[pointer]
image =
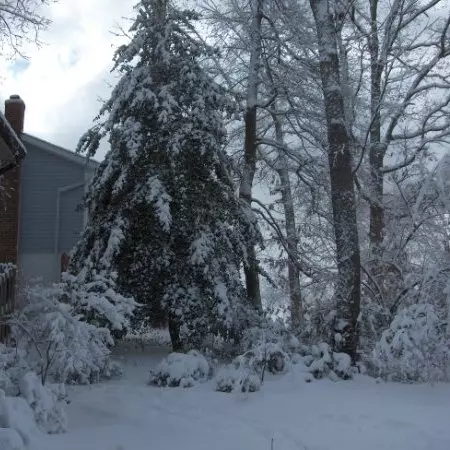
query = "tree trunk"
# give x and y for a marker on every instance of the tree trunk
(376, 151)
(160, 7)
(174, 331)
(292, 247)
(250, 148)
(160, 11)
(347, 290)
(291, 230)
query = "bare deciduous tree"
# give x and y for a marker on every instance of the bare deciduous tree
(21, 21)
(250, 144)
(407, 46)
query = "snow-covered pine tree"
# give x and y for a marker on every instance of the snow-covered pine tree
(163, 211)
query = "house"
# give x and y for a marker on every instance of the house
(42, 217)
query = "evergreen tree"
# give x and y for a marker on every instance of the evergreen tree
(163, 212)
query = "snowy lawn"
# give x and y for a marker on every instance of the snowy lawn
(127, 414)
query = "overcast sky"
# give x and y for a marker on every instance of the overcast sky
(62, 81)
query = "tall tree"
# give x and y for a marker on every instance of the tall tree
(250, 141)
(347, 289)
(406, 56)
(162, 208)
(291, 228)
(398, 33)
(248, 32)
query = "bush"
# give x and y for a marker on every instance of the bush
(10, 439)
(179, 369)
(247, 371)
(273, 348)
(53, 344)
(32, 407)
(268, 356)
(13, 366)
(60, 347)
(414, 348)
(17, 415)
(49, 414)
(342, 365)
(45, 401)
(269, 331)
(231, 379)
(322, 362)
(95, 298)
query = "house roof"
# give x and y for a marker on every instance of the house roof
(59, 151)
(12, 149)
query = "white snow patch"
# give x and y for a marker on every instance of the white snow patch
(359, 414)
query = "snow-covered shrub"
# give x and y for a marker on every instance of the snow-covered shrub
(179, 369)
(146, 336)
(267, 330)
(342, 365)
(270, 329)
(10, 439)
(273, 347)
(48, 409)
(25, 404)
(319, 316)
(59, 346)
(414, 348)
(17, 381)
(268, 356)
(13, 366)
(232, 378)
(322, 362)
(96, 299)
(17, 415)
(246, 372)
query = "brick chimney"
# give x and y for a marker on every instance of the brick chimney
(10, 204)
(15, 113)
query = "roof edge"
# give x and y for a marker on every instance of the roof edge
(59, 151)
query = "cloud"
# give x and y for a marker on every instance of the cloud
(63, 80)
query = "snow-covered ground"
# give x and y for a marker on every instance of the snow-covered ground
(127, 414)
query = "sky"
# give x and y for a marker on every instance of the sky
(63, 80)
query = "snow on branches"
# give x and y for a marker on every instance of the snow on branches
(163, 191)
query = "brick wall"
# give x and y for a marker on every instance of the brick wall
(9, 216)
(10, 194)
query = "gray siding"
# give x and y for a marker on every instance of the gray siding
(42, 175)
(70, 218)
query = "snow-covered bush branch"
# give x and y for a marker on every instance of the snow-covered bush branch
(415, 347)
(96, 300)
(60, 347)
(178, 369)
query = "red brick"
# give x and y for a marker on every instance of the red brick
(10, 204)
